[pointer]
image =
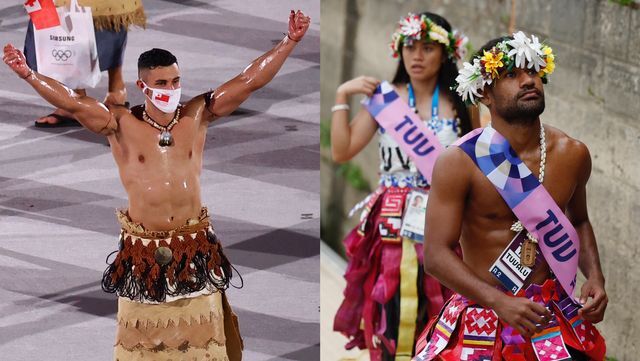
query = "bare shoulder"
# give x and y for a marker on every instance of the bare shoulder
(116, 114)
(573, 154)
(129, 114)
(452, 175)
(200, 106)
(196, 102)
(453, 164)
(453, 154)
(119, 111)
(573, 149)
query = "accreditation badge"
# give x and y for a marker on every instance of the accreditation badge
(508, 269)
(414, 216)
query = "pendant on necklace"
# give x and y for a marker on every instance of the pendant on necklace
(166, 139)
(528, 253)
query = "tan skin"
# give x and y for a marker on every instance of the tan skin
(116, 95)
(465, 206)
(422, 61)
(163, 183)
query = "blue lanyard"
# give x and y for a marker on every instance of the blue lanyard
(434, 101)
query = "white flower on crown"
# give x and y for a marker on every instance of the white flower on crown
(526, 49)
(460, 44)
(502, 46)
(470, 80)
(411, 26)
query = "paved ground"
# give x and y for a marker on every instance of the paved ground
(332, 284)
(59, 189)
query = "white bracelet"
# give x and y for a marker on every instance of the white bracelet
(337, 107)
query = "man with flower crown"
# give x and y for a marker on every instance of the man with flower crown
(514, 195)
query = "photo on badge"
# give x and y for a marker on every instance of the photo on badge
(160, 184)
(414, 214)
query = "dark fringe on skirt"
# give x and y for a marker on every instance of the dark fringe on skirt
(188, 270)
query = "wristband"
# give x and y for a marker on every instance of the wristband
(28, 75)
(337, 107)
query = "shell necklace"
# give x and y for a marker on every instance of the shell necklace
(528, 248)
(166, 139)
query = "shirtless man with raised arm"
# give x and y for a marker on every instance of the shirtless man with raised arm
(170, 265)
(485, 319)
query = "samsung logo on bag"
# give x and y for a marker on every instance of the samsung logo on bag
(62, 38)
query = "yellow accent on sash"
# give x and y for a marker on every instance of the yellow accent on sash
(443, 330)
(408, 300)
(476, 342)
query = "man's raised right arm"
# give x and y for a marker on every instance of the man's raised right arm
(450, 187)
(92, 114)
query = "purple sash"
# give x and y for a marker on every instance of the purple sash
(529, 201)
(405, 127)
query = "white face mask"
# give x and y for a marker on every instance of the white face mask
(164, 99)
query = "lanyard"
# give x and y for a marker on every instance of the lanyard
(434, 101)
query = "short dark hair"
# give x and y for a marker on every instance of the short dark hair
(154, 58)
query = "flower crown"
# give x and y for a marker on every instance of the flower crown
(419, 27)
(520, 52)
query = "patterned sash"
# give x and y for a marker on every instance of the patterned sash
(405, 127)
(528, 199)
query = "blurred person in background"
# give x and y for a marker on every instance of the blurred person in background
(388, 297)
(111, 19)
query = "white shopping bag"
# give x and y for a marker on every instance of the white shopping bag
(68, 52)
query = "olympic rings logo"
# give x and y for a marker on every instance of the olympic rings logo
(61, 55)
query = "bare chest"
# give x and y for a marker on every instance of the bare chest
(138, 145)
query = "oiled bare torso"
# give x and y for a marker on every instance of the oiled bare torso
(163, 183)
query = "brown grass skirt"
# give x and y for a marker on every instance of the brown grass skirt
(186, 329)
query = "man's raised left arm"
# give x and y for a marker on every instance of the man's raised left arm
(228, 97)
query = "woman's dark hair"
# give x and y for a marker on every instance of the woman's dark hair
(446, 76)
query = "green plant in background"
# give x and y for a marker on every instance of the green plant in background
(470, 50)
(599, 99)
(353, 175)
(610, 359)
(504, 19)
(632, 3)
(325, 134)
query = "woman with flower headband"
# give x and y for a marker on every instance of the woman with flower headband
(388, 296)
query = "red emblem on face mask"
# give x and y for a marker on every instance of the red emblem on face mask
(163, 98)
